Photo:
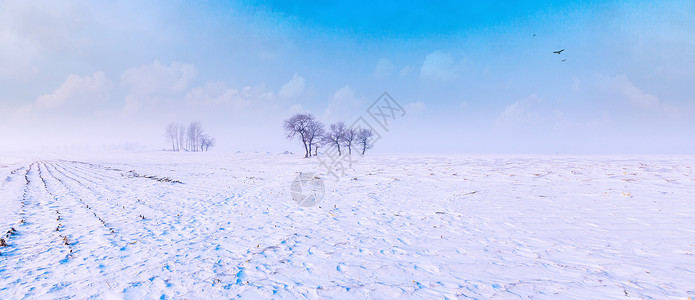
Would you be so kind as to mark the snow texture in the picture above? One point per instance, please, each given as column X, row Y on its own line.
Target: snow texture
column 210, row 225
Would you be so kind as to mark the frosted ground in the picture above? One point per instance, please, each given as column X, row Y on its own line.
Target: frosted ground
column 210, row 225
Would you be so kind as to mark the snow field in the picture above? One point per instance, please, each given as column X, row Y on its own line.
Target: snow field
column 208, row 225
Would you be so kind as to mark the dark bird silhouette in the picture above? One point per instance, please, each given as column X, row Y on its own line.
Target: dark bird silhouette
column 559, row 51
column 534, row 34
column 564, row 60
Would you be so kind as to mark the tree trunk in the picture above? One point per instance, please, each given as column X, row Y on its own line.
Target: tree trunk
column 306, row 151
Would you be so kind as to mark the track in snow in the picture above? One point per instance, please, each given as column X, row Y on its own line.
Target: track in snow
column 396, row 226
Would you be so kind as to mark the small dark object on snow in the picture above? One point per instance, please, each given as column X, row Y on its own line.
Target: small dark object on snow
column 3, row 243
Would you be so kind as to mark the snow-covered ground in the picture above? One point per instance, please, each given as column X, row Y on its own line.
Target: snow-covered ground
column 211, row 225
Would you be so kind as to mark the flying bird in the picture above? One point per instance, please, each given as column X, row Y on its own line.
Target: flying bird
column 564, row 60
column 559, row 51
column 534, row 34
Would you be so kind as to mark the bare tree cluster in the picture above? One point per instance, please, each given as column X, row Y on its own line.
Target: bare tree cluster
column 313, row 134
column 188, row 138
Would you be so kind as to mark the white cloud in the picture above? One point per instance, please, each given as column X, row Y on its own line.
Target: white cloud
column 632, row 93
column 519, row 112
column 407, row 70
column 78, row 89
column 149, row 84
column 415, row 107
column 643, row 100
column 293, row 88
column 343, row 103
column 516, row 112
column 212, row 94
column 156, row 78
column 439, row 65
column 30, row 31
column 218, row 94
column 297, row 108
column 257, row 94
column 383, row 69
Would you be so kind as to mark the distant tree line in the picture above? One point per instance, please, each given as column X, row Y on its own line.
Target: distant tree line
column 313, row 134
column 188, row 138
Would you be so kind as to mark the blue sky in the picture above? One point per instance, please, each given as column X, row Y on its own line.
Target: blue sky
column 474, row 77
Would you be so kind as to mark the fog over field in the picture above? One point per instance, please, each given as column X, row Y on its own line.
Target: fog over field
column 347, row 149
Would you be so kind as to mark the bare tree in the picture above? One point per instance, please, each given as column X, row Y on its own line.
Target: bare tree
column 210, row 143
column 175, row 133
column 193, row 135
column 314, row 133
column 172, row 133
column 316, row 147
column 181, row 139
column 297, row 127
column 363, row 136
column 320, row 139
column 206, row 142
column 335, row 135
column 191, row 138
column 349, row 137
